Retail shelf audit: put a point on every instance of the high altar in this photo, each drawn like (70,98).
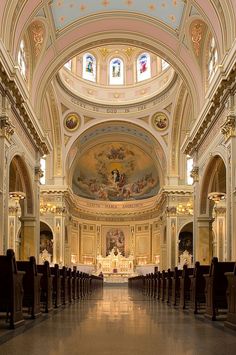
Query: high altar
(115,267)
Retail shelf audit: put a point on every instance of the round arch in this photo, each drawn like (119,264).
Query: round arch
(214,180)
(19,181)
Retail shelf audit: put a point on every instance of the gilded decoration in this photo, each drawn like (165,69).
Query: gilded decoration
(115,172)
(195,173)
(228,129)
(37,31)
(6,127)
(72,122)
(160,121)
(196,36)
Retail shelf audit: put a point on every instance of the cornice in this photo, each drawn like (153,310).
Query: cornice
(222,87)
(13,86)
(119,107)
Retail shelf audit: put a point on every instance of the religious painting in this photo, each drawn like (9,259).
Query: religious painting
(116,72)
(115,239)
(46,242)
(160,121)
(115,172)
(143,67)
(89,67)
(186,242)
(72,121)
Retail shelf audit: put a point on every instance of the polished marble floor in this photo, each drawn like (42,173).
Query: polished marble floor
(118,322)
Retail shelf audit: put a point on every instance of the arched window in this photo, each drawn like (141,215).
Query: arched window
(43,168)
(22,59)
(143,67)
(89,67)
(68,65)
(116,72)
(164,65)
(212,59)
(189,170)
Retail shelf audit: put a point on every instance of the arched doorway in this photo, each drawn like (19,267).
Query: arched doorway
(46,243)
(185,249)
(212,219)
(20,206)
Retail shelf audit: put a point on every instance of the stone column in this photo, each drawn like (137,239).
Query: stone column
(196,209)
(204,240)
(171,237)
(229,131)
(28,236)
(6,131)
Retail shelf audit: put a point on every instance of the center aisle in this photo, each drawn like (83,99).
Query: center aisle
(118,322)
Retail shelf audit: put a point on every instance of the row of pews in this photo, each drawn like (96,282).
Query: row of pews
(205,289)
(27,290)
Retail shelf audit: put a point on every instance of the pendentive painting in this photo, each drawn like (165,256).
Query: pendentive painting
(115,172)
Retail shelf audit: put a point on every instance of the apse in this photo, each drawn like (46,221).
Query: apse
(115,171)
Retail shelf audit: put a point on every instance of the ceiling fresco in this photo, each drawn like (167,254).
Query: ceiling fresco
(115,172)
(66,12)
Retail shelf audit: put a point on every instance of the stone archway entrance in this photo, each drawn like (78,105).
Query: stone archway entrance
(21,220)
(211,223)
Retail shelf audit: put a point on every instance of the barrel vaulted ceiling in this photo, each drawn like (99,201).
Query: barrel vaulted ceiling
(65,12)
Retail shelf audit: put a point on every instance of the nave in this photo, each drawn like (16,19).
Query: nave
(116,321)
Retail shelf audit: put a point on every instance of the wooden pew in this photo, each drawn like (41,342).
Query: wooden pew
(74,284)
(11,293)
(69,281)
(31,286)
(197,287)
(163,285)
(56,283)
(176,286)
(185,284)
(46,283)
(155,283)
(169,277)
(158,291)
(64,286)
(231,296)
(216,286)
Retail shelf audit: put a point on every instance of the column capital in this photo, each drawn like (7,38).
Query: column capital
(228,128)
(195,174)
(6,127)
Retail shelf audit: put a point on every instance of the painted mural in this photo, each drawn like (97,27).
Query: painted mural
(115,238)
(115,172)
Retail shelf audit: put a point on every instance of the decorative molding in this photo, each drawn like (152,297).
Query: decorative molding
(6,127)
(196,36)
(228,128)
(9,86)
(37,30)
(195,174)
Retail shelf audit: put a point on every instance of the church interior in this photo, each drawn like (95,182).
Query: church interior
(118,175)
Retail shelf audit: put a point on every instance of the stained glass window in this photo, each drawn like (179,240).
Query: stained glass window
(68,65)
(164,65)
(143,67)
(212,59)
(22,59)
(89,67)
(116,71)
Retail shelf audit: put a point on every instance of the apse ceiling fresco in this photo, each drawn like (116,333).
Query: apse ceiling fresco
(66,12)
(115,172)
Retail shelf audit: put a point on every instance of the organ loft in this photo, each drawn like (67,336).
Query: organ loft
(117,176)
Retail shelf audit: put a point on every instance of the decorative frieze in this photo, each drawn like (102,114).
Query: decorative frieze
(6,127)
(228,128)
